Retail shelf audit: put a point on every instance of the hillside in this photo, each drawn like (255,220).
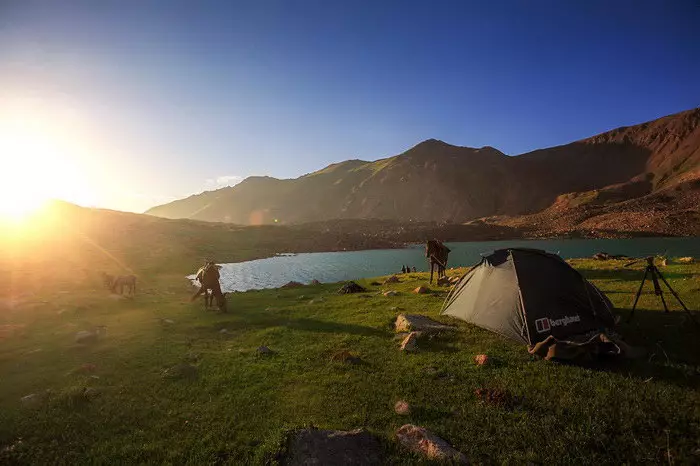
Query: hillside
(436,181)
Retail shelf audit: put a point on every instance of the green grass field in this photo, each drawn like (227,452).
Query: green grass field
(240,404)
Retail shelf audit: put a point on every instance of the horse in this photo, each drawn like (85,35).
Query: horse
(437,253)
(112,282)
(208,277)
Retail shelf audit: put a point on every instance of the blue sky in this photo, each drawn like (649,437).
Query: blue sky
(175,95)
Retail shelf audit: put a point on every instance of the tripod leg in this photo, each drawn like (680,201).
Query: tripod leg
(663,301)
(639,292)
(678,298)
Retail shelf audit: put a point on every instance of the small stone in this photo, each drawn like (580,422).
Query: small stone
(392,279)
(87,367)
(181,371)
(32,400)
(481,359)
(223,330)
(420,440)
(346,357)
(421,290)
(168,321)
(410,343)
(390,293)
(264,350)
(402,408)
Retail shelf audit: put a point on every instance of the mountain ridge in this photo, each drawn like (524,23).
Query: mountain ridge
(437,181)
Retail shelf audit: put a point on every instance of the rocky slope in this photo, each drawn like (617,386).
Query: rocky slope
(608,181)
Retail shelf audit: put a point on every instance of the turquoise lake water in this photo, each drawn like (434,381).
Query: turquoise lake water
(337,266)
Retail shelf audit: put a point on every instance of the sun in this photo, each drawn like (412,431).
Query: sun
(35,166)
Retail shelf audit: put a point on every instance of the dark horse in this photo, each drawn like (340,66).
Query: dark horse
(208,277)
(437,253)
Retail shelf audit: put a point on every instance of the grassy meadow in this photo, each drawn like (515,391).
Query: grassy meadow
(121,401)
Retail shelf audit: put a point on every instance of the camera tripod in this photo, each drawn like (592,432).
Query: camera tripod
(655,274)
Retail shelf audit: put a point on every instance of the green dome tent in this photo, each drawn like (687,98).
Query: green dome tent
(527,295)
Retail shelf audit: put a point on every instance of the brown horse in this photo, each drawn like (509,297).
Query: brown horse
(208,277)
(119,281)
(437,253)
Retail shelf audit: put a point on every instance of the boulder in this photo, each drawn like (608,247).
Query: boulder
(292,284)
(333,447)
(402,408)
(410,343)
(420,440)
(421,290)
(420,323)
(392,279)
(351,287)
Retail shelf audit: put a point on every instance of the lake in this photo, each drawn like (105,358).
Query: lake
(275,271)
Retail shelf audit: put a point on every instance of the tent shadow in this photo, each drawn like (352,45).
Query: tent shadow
(672,345)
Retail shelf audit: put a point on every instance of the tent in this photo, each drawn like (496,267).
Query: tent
(527,295)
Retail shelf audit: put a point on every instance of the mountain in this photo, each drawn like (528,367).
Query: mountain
(436,181)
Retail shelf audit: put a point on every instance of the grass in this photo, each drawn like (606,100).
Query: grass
(240,405)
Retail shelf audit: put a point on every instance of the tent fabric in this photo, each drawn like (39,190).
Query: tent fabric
(528,295)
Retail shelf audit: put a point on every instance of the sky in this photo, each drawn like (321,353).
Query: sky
(133,103)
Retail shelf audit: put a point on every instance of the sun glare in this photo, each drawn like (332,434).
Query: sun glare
(36,166)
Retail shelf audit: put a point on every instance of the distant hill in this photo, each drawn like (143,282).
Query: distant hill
(651,164)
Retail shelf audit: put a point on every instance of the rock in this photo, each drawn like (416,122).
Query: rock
(401,336)
(444,281)
(392,279)
(333,447)
(402,408)
(31,401)
(375,284)
(390,293)
(90,336)
(292,284)
(420,440)
(410,343)
(87,367)
(181,371)
(481,359)
(417,322)
(351,287)
(497,397)
(315,282)
(223,330)
(685,260)
(421,290)
(346,357)
(264,350)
